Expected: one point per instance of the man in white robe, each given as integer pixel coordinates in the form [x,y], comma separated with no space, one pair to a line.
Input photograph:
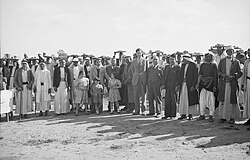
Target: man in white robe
[42,88]
[23,81]
[61,84]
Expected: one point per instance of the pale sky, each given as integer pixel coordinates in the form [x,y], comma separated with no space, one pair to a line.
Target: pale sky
[101,27]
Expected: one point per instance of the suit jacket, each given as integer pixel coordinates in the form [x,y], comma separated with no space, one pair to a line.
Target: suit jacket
[57,77]
[173,81]
[115,70]
[138,71]
[234,71]
[104,77]
[93,73]
[154,75]
[18,82]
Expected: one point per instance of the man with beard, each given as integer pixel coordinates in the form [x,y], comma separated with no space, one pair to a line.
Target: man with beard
[207,84]
[23,82]
[188,94]
[42,88]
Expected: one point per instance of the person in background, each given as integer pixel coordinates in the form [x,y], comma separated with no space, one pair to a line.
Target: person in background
[245,86]
[34,65]
[188,94]
[23,82]
[6,71]
[61,84]
[114,94]
[123,89]
[3,80]
[13,70]
[97,94]
[94,72]
[228,72]
[220,54]
[127,81]
[207,84]
[171,77]
[240,94]
[154,82]
[198,60]
[42,88]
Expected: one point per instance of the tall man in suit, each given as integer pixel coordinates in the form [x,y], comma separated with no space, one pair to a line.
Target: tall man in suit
[138,68]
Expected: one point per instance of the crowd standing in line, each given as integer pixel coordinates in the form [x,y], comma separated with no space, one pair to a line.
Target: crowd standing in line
[181,83]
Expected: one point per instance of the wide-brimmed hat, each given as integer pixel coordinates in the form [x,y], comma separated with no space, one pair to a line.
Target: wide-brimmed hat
[230,47]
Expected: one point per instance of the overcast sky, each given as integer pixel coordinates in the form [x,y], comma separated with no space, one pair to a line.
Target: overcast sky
[102,26]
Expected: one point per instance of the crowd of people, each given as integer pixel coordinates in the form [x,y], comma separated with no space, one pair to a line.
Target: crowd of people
[181,83]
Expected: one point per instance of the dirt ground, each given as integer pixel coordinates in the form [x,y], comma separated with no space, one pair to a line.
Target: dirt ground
[121,137]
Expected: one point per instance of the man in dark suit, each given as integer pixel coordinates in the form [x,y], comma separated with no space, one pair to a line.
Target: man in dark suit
[171,77]
[154,82]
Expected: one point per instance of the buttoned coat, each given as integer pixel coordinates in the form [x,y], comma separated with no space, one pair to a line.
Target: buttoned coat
[18,80]
[234,71]
[139,71]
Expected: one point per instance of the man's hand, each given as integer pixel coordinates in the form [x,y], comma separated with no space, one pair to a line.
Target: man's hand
[19,89]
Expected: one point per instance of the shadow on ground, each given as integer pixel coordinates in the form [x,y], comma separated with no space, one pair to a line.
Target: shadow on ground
[138,127]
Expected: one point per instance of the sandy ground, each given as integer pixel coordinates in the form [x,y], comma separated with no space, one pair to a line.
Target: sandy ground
[121,137]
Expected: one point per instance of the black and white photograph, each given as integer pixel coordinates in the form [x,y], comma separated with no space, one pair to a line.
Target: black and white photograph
[124,79]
